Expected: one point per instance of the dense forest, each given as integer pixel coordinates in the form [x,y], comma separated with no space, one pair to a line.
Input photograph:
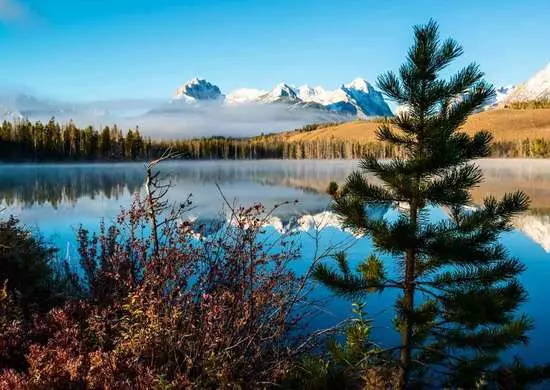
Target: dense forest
[25,141]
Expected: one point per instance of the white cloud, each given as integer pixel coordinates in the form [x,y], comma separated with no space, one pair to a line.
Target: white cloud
[12,11]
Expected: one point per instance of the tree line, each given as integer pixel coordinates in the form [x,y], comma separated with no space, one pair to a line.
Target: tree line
[538,103]
[27,141]
[38,142]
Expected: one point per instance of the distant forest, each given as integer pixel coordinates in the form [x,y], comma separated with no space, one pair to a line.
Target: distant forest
[25,141]
[539,103]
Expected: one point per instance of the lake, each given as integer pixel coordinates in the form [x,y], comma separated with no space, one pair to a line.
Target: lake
[57,198]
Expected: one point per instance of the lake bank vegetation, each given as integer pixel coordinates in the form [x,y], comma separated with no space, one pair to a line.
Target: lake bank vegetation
[158,302]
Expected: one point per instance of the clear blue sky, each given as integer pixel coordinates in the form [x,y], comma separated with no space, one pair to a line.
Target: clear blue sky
[109,49]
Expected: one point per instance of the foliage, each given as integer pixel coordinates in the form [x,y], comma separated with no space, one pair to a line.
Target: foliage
[27,268]
[208,307]
[26,141]
[354,362]
[539,103]
[459,288]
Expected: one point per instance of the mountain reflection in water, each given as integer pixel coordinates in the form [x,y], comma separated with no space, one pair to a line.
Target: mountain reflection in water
[57,198]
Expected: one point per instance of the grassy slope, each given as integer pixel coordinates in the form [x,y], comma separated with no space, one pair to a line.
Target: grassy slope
[506,125]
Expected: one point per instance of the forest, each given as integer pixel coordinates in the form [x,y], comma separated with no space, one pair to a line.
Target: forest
[26,141]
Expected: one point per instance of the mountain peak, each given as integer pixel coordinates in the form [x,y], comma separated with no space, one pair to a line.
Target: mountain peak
[307,93]
[359,84]
[356,99]
[282,88]
[198,89]
[282,93]
[536,88]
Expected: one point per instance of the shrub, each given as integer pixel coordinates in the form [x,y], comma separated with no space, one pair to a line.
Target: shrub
[167,305]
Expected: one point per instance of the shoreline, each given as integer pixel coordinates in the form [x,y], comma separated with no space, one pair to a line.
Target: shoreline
[122,162]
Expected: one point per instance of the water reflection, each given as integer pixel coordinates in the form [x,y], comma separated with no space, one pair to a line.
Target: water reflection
[29,185]
[54,184]
[85,191]
[57,198]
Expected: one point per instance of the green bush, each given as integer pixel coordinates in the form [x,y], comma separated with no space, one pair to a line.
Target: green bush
[27,267]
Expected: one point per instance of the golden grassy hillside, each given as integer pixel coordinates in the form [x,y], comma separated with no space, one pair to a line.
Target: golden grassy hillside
[505,124]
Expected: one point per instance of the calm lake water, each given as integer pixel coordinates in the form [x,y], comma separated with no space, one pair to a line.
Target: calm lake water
[57,198]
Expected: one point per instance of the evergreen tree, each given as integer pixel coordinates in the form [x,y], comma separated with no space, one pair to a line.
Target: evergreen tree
[459,289]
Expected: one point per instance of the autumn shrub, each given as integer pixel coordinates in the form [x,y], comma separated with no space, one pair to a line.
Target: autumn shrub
[168,303]
[32,283]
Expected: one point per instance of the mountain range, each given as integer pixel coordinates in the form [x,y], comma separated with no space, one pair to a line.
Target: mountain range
[358,99]
[284,105]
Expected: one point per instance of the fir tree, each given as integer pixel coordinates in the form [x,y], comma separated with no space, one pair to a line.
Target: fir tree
[459,292]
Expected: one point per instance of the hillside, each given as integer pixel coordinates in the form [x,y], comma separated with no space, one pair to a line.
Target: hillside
[505,124]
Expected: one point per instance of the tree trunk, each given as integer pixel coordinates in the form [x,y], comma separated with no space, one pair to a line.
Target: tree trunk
[151,210]
[408,305]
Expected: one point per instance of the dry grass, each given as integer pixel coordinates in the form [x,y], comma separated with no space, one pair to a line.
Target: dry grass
[506,125]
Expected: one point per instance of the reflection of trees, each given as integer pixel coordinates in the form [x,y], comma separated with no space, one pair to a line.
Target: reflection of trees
[54,185]
[306,175]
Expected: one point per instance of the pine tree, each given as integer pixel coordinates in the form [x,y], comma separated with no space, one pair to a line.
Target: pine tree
[459,288]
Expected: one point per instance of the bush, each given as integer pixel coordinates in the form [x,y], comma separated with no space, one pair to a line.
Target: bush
[27,267]
[350,361]
[167,305]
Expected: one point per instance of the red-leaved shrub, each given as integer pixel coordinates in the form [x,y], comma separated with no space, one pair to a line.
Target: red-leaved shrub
[166,304]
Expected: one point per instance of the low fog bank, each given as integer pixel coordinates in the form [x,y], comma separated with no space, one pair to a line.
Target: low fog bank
[175,119]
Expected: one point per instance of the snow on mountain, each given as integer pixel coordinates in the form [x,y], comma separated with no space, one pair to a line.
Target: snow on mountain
[503,92]
[537,227]
[308,94]
[536,88]
[198,90]
[244,96]
[365,99]
[359,84]
[356,99]
[282,93]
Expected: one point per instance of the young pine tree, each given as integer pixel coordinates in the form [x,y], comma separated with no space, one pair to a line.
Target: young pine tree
[459,292]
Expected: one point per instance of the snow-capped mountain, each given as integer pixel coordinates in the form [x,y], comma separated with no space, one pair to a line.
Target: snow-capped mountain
[356,99]
[282,93]
[536,88]
[244,96]
[198,90]
[21,105]
[309,94]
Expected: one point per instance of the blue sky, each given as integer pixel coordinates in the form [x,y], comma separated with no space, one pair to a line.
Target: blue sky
[112,49]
